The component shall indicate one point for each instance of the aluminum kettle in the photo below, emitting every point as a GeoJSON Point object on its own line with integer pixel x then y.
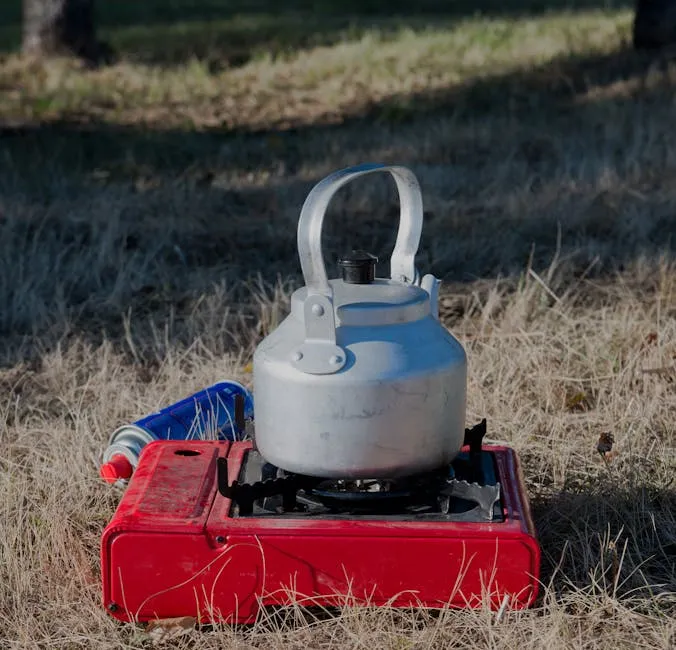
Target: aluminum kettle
{"type": "Point", "coordinates": [361, 380]}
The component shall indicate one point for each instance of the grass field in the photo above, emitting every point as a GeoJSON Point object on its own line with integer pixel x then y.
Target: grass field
{"type": "Point", "coordinates": [147, 242]}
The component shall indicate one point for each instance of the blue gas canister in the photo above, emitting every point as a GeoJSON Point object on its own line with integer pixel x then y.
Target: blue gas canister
{"type": "Point", "coordinates": [219, 412]}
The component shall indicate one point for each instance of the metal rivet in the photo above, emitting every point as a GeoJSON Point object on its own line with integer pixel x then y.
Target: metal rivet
{"type": "Point", "coordinates": [220, 539]}
{"type": "Point", "coordinates": [297, 356]}
{"type": "Point", "coordinates": [335, 360]}
{"type": "Point", "coordinates": [317, 310]}
{"type": "Point", "coordinates": [113, 607]}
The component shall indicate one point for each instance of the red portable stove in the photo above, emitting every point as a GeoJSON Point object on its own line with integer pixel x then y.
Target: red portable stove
{"type": "Point", "coordinates": [209, 529]}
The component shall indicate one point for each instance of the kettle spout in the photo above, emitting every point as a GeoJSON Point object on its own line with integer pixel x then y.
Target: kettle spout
{"type": "Point", "coordinates": [431, 284]}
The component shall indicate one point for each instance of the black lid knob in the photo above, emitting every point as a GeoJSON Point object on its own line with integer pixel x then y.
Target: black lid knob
{"type": "Point", "coordinates": [359, 267]}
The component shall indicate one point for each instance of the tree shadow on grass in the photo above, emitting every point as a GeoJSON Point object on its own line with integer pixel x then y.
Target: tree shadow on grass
{"type": "Point", "coordinates": [511, 168]}
{"type": "Point", "coordinates": [611, 529]}
{"type": "Point", "coordinates": [226, 34]}
{"type": "Point", "coordinates": [223, 33]}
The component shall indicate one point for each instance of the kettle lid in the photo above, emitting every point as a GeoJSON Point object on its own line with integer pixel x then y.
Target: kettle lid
{"type": "Point", "coordinates": [380, 302]}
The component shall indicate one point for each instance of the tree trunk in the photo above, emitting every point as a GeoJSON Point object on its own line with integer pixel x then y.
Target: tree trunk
{"type": "Point", "coordinates": [654, 24]}
{"type": "Point", "coordinates": [61, 27]}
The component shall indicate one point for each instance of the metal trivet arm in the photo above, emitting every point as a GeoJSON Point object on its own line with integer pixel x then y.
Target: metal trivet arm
{"type": "Point", "coordinates": [485, 496]}
{"type": "Point", "coordinates": [474, 437]}
{"type": "Point", "coordinates": [245, 494]}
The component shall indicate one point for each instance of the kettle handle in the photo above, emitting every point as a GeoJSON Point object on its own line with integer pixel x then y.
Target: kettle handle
{"type": "Point", "coordinates": [402, 265]}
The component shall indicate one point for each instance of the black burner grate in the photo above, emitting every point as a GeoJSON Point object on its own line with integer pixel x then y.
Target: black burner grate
{"type": "Point", "coordinates": [467, 490]}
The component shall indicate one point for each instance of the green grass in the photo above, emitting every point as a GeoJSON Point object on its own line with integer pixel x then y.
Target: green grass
{"type": "Point", "coordinates": [230, 32]}
{"type": "Point", "coordinates": [148, 216]}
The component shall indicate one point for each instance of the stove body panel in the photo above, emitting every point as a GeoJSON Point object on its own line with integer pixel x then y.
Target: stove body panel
{"type": "Point", "coordinates": [177, 547]}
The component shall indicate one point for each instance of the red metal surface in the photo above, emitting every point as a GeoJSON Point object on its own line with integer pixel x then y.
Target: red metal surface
{"type": "Point", "coordinates": [173, 550]}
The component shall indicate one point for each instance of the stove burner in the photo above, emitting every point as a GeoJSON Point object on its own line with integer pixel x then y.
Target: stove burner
{"type": "Point", "coordinates": [467, 490]}
{"type": "Point", "coordinates": [374, 493]}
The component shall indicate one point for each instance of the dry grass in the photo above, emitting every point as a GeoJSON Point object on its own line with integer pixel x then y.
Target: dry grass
{"type": "Point", "coordinates": [147, 242]}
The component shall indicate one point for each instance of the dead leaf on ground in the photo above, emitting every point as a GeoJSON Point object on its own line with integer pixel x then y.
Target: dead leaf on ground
{"type": "Point", "coordinates": [605, 445]}
{"type": "Point", "coordinates": [650, 339]}
{"type": "Point", "coordinates": [167, 629]}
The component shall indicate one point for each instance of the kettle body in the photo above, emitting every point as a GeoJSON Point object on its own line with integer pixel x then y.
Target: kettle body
{"type": "Point", "coordinates": [361, 380]}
